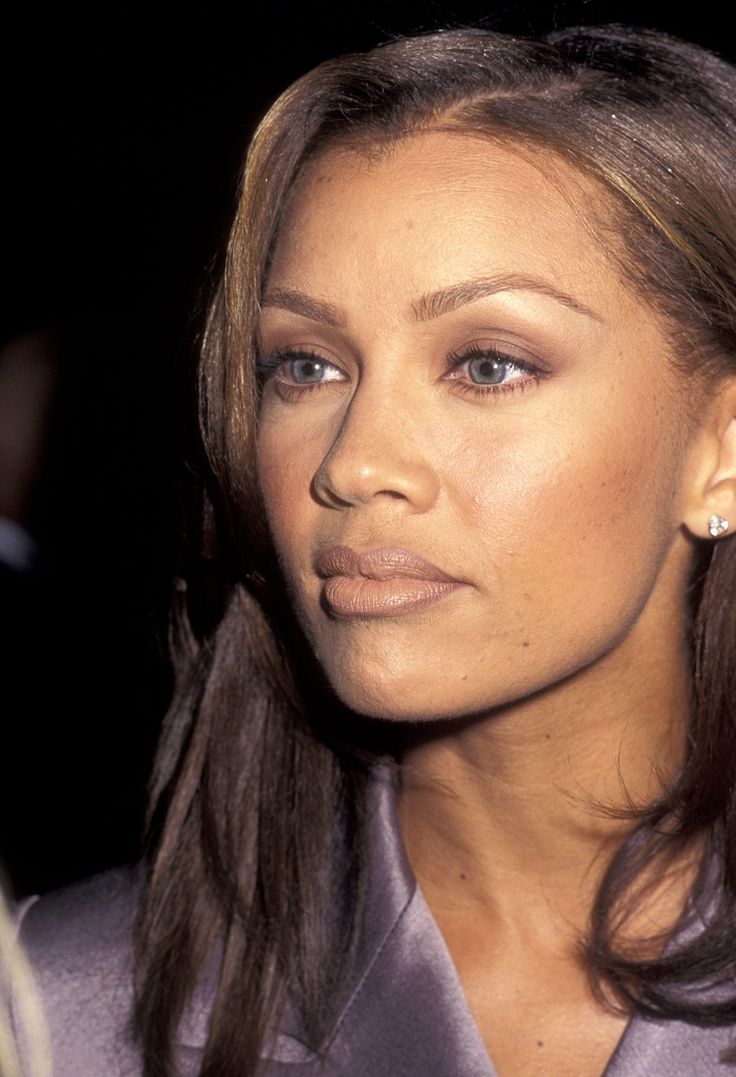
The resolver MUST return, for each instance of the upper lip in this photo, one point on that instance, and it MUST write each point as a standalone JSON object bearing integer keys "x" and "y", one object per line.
{"x": 381, "y": 563}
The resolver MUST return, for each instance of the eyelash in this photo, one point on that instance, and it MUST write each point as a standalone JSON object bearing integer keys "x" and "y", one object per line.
{"x": 457, "y": 360}
{"x": 268, "y": 366}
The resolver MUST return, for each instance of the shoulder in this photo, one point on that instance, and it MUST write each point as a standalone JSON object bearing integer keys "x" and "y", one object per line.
{"x": 79, "y": 943}
{"x": 87, "y": 920}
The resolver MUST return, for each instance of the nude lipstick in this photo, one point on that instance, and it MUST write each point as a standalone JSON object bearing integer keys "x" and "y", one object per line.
{"x": 383, "y": 582}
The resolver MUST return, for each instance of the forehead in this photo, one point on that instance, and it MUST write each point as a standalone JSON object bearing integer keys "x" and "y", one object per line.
{"x": 434, "y": 207}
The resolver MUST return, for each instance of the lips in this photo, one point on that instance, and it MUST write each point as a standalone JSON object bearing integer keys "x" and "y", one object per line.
{"x": 384, "y": 582}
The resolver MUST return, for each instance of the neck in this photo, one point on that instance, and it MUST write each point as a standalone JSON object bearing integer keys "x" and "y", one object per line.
{"x": 521, "y": 810}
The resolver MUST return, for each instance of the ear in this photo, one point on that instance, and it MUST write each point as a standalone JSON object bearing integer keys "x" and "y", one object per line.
{"x": 709, "y": 510}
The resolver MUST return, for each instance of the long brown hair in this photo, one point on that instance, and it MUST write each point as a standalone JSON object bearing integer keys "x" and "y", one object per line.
{"x": 256, "y": 802}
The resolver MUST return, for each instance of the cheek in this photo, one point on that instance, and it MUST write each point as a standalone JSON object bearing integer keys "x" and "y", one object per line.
{"x": 573, "y": 514}
{"x": 286, "y": 467}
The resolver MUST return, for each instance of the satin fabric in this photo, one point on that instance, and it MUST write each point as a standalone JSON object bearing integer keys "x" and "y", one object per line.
{"x": 406, "y": 1015}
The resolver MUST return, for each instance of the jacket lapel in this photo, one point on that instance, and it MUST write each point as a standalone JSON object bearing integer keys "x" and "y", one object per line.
{"x": 407, "y": 1014}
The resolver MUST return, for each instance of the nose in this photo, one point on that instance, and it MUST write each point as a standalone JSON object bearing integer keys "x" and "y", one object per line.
{"x": 377, "y": 457}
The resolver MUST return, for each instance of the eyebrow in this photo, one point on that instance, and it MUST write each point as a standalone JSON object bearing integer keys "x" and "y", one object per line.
{"x": 318, "y": 310}
{"x": 433, "y": 304}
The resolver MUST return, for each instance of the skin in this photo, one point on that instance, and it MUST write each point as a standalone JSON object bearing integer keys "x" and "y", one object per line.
{"x": 564, "y": 500}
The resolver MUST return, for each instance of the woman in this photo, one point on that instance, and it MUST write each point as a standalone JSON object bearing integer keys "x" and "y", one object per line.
{"x": 447, "y": 784}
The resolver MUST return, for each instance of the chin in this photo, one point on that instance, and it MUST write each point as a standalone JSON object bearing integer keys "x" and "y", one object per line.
{"x": 407, "y": 698}
{"x": 386, "y": 695}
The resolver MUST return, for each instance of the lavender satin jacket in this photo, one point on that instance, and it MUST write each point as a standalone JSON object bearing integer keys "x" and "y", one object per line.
{"x": 406, "y": 1015}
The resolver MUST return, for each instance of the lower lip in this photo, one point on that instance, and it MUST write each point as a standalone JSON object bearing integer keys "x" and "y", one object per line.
{"x": 355, "y": 596}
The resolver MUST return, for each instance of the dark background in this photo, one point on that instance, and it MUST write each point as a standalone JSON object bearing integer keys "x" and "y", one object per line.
{"x": 122, "y": 145}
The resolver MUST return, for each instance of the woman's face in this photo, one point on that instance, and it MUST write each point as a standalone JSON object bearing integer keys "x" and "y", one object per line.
{"x": 471, "y": 442}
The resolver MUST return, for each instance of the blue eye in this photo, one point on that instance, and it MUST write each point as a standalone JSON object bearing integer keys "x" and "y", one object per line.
{"x": 297, "y": 371}
{"x": 486, "y": 370}
{"x": 308, "y": 370}
{"x": 491, "y": 369}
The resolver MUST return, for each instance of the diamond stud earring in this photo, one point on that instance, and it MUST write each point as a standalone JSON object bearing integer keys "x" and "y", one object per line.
{"x": 717, "y": 525}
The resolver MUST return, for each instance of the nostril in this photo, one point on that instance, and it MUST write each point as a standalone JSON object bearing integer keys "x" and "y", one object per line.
{"x": 324, "y": 494}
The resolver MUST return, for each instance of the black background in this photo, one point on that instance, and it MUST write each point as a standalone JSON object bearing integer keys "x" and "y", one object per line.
{"x": 122, "y": 144}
